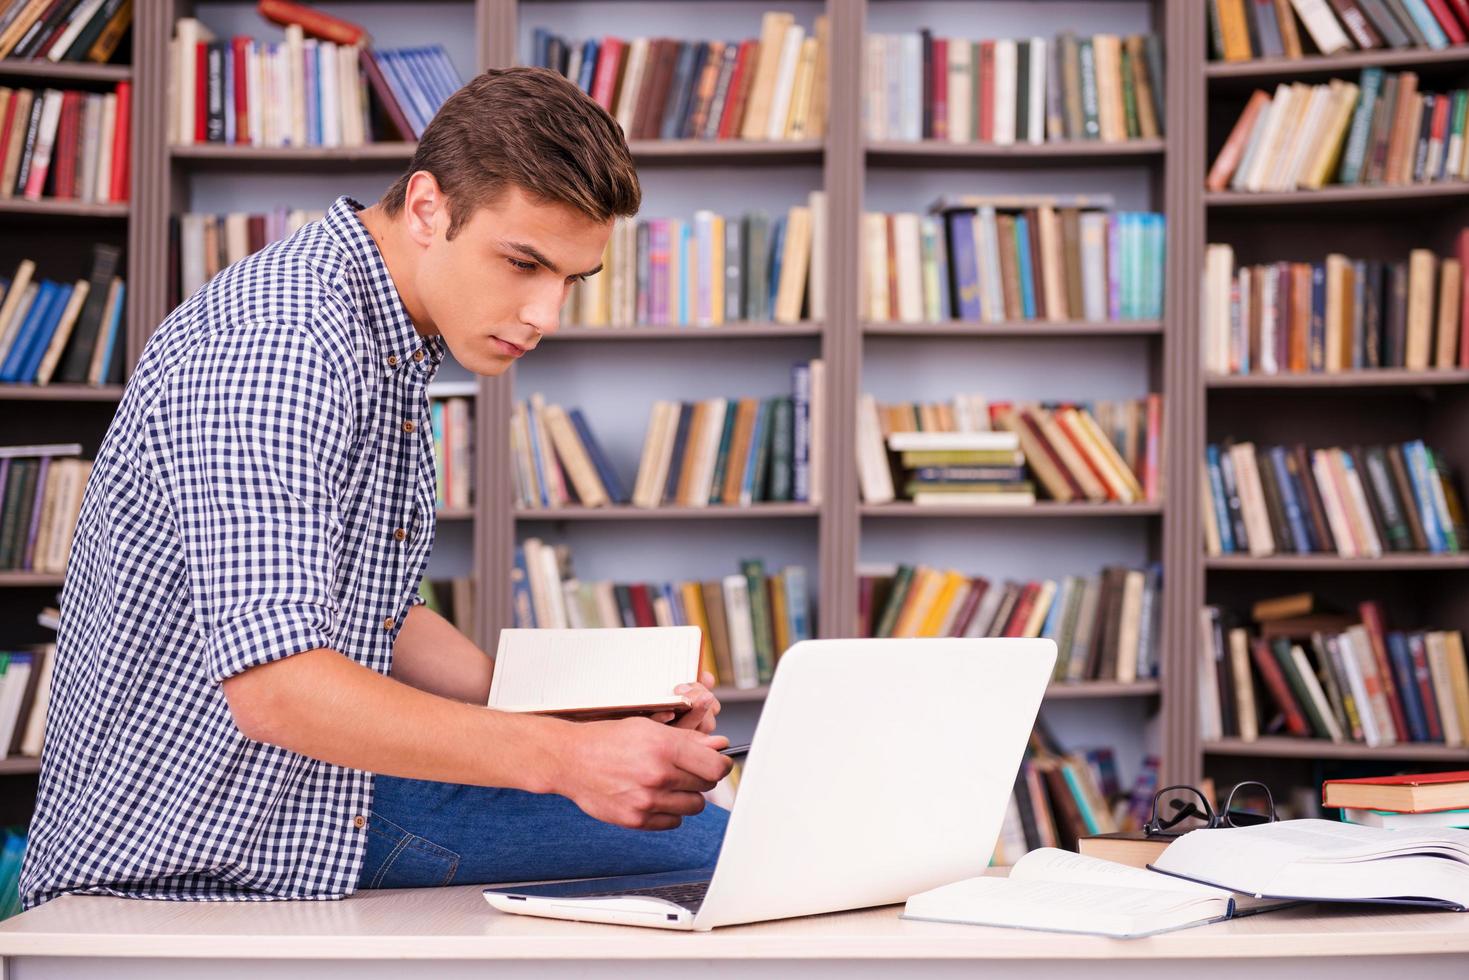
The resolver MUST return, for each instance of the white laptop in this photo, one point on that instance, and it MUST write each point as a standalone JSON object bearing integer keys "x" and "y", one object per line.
{"x": 879, "y": 769}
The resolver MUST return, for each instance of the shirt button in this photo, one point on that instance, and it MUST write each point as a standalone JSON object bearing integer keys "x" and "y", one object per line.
{"x": 389, "y": 623}
{"x": 418, "y": 354}
{"x": 399, "y": 534}
{"x": 408, "y": 425}
{"x": 392, "y": 360}
{"x": 359, "y": 821}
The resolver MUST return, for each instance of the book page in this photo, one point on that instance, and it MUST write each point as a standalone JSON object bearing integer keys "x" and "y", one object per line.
{"x": 552, "y": 670}
{"x": 1052, "y": 864}
{"x": 1061, "y": 906}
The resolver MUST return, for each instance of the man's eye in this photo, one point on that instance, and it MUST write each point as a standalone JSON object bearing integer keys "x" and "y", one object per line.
{"x": 523, "y": 266}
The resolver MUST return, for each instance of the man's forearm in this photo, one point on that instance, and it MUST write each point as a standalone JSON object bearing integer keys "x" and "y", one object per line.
{"x": 322, "y": 705}
{"x": 431, "y": 654}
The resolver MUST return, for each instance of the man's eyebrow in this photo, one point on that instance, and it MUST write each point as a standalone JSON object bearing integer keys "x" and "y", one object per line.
{"x": 531, "y": 252}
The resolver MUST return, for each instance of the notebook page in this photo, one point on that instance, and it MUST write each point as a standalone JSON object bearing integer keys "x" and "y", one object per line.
{"x": 1056, "y": 906}
{"x": 1050, "y": 864}
{"x": 575, "y": 669}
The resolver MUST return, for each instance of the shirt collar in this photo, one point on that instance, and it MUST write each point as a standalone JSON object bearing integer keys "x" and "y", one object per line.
{"x": 397, "y": 342}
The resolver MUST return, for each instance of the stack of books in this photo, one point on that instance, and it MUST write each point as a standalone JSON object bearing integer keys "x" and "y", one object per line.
{"x": 708, "y": 270}
{"x": 773, "y": 88}
{"x": 737, "y": 452}
{"x": 202, "y": 244}
{"x": 55, "y": 331}
{"x": 1332, "y": 676}
{"x": 1423, "y": 801}
{"x": 1012, "y": 259}
{"x": 749, "y": 618}
{"x": 25, "y": 687}
{"x": 558, "y": 461}
{"x": 1379, "y": 130}
{"x": 1106, "y": 626}
{"x": 304, "y": 91}
{"x": 451, "y": 407}
{"x": 451, "y": 598}
{"x": 89, "y": 30}
{"x": 1107, "y": 451}
{"x": 66, "y": 145}
{"x": 972, "y": 468}
{"x": 1243, "y": 29}
{"x": 1337, "y": 315}
{"x": 41, "y": 491}
{"x": 1104, "y": 87}
{"x": 1356, "y": 503}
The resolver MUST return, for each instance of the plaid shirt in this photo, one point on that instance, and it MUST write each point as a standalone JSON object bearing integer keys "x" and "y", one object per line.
{"x": 266, "y": 487}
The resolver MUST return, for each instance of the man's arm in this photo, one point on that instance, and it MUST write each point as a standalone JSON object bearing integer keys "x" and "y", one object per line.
{"x": 432, "y": 655}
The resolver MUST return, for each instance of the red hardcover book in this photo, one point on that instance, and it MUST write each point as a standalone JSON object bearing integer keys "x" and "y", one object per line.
{"x": 739, "y": 89}
{"x": 67, "y": 147}
{"x": 642, "y": 606}
{"x": 1446, "y": 20}
{"x": 1461, "y": 11}
{"x": 122, "y": 141}
{"x": 1411, "y": 793}
{"x": 987, "y": 91}
{"x": 255, "y": 235}
{"x": 1372, "y": 618}
{"x": 313, "y": 22}
{"x": 1024, "y": 606}
{"x": 201, "y": 93}
{"x": 379, "y": 86}
{"x": 8, "y": 123}
{"x": 1275, "y": 683}
{"x": 604, "y": 80}
{"x": 977, "y": 588}
{"x": 239, "y": 44}
{"x": 1153, "y": 451}
{"x": 940, "y": 107}
{"x": 662, "y": 78}
{"x": 1027, "y": 419}
{"x": 1423, "y": 678}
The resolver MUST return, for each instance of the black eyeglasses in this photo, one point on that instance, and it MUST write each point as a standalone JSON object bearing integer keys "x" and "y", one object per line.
{"x": 1190, "y": 810}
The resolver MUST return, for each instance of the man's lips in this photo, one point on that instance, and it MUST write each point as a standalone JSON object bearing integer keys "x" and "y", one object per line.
{"x": 507, "y": 348}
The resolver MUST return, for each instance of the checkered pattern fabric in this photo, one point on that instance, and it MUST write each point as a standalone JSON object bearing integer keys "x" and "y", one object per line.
{"x": 266, "y": 487}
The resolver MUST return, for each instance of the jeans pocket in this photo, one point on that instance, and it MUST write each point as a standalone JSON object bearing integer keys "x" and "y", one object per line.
{"x": 405, "y": 860}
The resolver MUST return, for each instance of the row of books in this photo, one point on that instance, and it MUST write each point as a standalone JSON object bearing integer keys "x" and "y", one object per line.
{"x": 1335, "y": 315}
{"x": 453, "y": 430}
{"x": 748, "y": 618}
{"x": 998, "y": 260}
{"x": 1380, "y": 130}
{"x": 708, "y": 270}
{"x": 1106, "y": 626}
{"x": 773, "y": 88}
{"x": 66, "y": 144}
{"x": 979, "y": 468}
{"x": 41, "y": 491}
{"x": 83, "y": 30}
{"x": 1356, "y": 503}
{"x": 302, "y": 91}
{"x": 1240, "y": 30}
{"x": 1102, "y": 87}
{"x": 72, "y": 333}
{"x": 205, "y": 243}
{"x": 25, "y": 688}
{"x": 454, "y": 599}
{"x": 1336, "y": 677}
{"x": 1107, "y": 451}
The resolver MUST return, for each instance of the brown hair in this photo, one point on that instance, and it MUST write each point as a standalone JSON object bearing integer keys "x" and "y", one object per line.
{"x": 529, "y": 127}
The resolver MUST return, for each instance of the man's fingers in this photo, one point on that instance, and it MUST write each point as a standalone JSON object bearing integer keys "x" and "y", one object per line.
{"x": 680, "y": 804}
{"x": 700, "y": 756}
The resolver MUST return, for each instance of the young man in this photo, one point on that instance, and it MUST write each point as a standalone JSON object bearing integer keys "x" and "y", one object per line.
{"x": 249, "y": 700}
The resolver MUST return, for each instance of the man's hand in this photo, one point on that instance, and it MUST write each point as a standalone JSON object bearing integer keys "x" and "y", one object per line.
{"x": 640, "y": 774}
{"x": 703, "y": 706}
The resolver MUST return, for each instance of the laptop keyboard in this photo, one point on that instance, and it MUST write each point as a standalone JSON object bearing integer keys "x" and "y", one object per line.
{"x": 688, "y": 894}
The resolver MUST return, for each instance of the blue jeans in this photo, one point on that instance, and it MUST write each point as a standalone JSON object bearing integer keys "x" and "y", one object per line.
{"x": 422, "y": 834}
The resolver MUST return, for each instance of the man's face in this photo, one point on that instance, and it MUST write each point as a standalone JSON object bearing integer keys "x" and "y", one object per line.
{"x": 496, "y": 288}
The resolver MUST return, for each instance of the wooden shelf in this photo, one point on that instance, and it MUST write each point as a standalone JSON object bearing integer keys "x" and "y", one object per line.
{"x": 740, "y": 152}
{"x": 940, "y": 153}
{"x": 226, "y": 156}
{"x": 1378, "y": 378}
{"x": 1419, "y": 195}
{"x": 19, "y": 765}
{"x": 1324, "y": 563}
{"x": 626, "y": 512}
{"x": 1039, "y": 509}
{"x": 728, "y": 331}
{"x": 1261, "y": 70}
{"x": 1024, "y": 329}
{"x": 1285, "y": 747}
{"x": 51, "y": 208}
{"x": 1073, "y": 691}
{"x": 31, "y": 579}
{"x": 741, "y": 695}
{"x": 60, "y": 393}
{"x": 455, "y": 514}
{"x": 64, "y": 71}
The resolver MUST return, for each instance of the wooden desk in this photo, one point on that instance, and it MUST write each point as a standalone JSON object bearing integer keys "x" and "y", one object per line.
{"x": 372, "y": 933}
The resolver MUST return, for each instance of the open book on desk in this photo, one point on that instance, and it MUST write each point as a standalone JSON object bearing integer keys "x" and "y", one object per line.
{"x": 1321, "y": 860}
{"x": 594, "y": 672}
{"x": 1059, "y": 891}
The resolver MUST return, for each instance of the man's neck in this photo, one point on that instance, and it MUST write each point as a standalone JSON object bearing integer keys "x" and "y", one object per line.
{"x": 398, "y": 256}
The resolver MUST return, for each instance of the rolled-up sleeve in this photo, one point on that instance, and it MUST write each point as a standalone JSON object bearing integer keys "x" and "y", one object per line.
{"x": 253, "y": 439}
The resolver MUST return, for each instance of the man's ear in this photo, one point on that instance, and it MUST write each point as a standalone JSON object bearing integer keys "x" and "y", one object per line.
{"x": 425, "y": 207}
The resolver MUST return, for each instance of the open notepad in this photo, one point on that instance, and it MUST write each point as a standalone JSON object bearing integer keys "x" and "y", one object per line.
{"x": 594, "y": 671}
{"x": 1058, "y": 891}
{"x": 1322, "y": 860}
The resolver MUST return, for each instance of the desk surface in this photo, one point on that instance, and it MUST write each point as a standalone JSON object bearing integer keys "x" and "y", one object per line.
{"x": 456, "y": 923}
